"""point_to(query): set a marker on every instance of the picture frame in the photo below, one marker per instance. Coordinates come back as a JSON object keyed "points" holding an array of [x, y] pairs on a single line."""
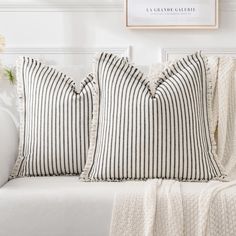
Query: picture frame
{"points": [[172, 14]]}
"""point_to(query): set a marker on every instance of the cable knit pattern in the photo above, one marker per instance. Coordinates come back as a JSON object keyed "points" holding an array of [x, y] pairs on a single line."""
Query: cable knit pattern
{"points": [[169, 210], [222, 216], [167, 207], [162, 208], [136, 213], [126, 206]]}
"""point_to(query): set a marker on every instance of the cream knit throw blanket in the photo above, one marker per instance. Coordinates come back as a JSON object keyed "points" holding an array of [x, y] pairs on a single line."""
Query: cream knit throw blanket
{"points": [[164, 208], [224, 108]]}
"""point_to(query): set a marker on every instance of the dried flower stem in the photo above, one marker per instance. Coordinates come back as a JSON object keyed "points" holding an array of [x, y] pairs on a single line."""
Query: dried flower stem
{"points": [[2, 43]]}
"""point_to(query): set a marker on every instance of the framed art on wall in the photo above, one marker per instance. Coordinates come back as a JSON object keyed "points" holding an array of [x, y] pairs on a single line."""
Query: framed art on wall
{"points": [[172, 14]]}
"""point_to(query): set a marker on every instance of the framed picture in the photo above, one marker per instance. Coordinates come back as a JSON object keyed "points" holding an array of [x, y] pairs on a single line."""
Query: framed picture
{"points": [[172, 14]]}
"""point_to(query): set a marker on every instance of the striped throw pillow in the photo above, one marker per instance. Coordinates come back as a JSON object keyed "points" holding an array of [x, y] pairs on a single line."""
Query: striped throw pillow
{"points": [[139, 134], [54, 121]]}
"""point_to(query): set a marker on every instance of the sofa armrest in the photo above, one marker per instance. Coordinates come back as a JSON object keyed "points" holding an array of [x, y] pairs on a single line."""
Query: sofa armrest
{"points": [[8, 145]]}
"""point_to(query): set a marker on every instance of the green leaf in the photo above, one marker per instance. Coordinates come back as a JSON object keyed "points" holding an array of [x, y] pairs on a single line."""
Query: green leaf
{"points": [[10, 75]]}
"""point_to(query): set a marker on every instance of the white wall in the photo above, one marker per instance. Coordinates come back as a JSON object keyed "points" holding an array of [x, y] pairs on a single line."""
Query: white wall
{"points": [[66, 32], [86, 24]]}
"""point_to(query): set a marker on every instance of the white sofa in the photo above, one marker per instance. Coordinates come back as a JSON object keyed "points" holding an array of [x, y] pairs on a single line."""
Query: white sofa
{"points": [[49, 206], [63, 206]]}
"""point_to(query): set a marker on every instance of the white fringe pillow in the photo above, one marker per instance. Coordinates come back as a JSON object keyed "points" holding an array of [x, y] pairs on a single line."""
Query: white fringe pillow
{"points": [[140, 134], [54, 121]]}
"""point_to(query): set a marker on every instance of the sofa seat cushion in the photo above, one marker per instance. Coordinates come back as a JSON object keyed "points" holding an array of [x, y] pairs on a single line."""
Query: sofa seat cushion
{"points": [[59, 206]]}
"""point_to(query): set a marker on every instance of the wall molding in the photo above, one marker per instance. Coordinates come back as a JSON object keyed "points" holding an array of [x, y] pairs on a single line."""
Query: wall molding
{"points": [[81, 6], [66, 50], [167, 52], [63, 6]]}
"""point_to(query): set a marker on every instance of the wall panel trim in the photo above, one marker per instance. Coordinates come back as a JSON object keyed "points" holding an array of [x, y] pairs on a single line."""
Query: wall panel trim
{"points": [[62, 6], [66, 50], [81, 6], [167, 52]]}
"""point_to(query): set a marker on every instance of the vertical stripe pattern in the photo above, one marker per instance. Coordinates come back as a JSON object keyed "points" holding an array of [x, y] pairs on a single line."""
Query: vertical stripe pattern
{"points": [[54, 121], [139, 134]]}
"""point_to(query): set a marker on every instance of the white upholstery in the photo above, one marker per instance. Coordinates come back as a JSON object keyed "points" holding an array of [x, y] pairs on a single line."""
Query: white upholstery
{"points": [[57, 206], [8, 145], [63, 206]]}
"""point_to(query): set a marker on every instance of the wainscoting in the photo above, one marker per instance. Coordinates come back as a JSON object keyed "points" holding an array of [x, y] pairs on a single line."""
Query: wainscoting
{"points": [[173, 53]]}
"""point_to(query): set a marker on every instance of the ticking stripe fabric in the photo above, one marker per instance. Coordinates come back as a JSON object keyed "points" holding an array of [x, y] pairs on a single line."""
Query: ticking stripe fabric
{"points": [[54, 121], [138, 134]]}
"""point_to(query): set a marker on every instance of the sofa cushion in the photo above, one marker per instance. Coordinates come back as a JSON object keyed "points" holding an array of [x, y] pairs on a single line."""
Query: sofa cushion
{"points": [[141, 133], [59, 206], [55, 115]]}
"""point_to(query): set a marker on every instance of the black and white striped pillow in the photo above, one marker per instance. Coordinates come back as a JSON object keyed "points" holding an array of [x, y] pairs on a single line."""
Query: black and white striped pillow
{"points": [[138, 134], [54, 121]]}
